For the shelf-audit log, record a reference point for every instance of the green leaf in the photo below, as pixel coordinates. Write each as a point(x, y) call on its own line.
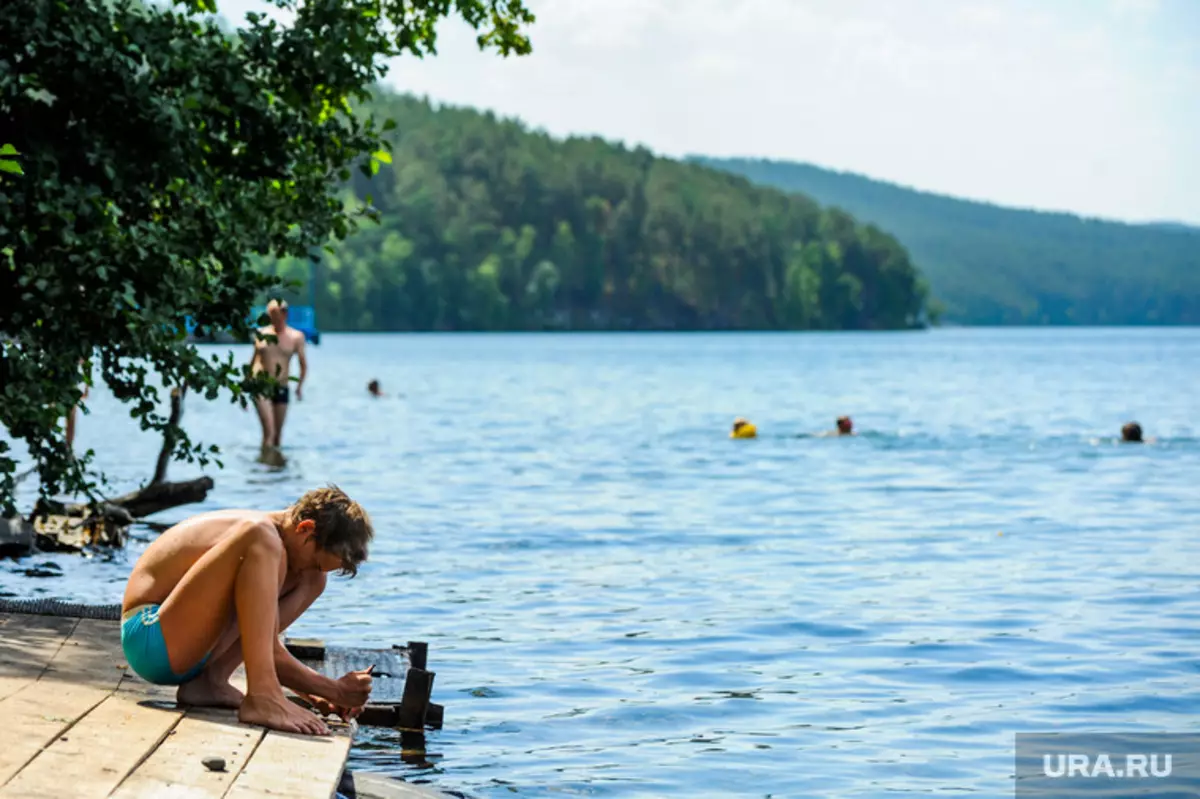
point(382, 155)
point(12, 167)
point(8, 149)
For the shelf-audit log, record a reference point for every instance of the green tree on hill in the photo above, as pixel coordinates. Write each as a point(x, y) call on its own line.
point(494, 227)
point(993, 265)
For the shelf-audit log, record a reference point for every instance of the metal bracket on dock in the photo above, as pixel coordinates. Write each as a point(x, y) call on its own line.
point(404, 705)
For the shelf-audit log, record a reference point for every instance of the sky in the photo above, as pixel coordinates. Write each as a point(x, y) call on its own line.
point(1087, 106)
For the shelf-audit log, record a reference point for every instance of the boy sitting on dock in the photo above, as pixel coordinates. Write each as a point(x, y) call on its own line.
point(221, 587)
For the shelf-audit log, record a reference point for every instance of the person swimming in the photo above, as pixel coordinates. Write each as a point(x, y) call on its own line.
point(742, 428)
point(1131, 433)
point(845, 427)
point(373, 389)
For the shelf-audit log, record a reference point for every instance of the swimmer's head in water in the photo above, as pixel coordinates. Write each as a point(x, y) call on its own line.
point(1132, 432)
point(845, 426)
point(373, 387)
point(743, 429)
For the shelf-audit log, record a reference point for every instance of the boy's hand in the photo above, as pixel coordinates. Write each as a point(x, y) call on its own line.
point(327, 708)
point(354, 688)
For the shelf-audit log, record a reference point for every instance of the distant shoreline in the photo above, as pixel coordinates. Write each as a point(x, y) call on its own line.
point(724, 331)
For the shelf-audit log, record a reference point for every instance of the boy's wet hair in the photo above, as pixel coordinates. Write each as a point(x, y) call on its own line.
point(342, 527)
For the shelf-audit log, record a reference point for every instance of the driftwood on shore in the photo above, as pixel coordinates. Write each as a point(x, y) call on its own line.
point(147, 501)
point(59, 526)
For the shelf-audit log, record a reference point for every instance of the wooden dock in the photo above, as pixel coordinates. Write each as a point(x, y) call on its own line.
point(76, 722)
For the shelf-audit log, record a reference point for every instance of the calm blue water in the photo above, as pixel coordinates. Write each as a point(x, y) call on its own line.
point(621, 601)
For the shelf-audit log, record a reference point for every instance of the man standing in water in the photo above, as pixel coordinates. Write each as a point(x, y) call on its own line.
point(275, 359)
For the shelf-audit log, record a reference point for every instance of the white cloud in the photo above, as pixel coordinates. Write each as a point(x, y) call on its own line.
point(1078, 105)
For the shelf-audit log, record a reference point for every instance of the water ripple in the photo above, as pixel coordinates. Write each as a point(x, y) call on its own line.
point(621, 601)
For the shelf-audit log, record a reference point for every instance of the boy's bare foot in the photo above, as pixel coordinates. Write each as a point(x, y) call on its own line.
point(205, 692)
point(279, 714)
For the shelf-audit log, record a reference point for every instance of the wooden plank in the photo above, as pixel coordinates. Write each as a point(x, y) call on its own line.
point(91, 656)
point(175, 769)
point(305, 648)
point(418, 687)
point(297, 766)
point(36, 716)
point(28, 645)
point(80, 723)
point(135, 687)
point(381, 786)
point(84, 671)
point(97, 753)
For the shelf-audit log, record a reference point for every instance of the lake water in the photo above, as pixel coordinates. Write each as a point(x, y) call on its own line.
point(622, 601)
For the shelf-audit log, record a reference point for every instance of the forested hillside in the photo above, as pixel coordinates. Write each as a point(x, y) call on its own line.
point(485, 225)
point(993, 265)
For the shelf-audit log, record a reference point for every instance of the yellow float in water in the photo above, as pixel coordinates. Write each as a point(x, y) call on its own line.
point(743, 429)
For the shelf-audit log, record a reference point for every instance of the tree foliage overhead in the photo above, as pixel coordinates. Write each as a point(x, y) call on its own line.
point(993, 265)
point(488, 226)
point(156, 155)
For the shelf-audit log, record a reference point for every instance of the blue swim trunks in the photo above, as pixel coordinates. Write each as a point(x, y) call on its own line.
point(146, 651)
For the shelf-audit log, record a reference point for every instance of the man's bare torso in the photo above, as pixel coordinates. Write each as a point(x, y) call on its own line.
point(168, 558)
point(276, 359)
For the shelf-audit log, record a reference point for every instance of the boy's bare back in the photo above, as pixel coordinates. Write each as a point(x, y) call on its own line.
point(168, 558)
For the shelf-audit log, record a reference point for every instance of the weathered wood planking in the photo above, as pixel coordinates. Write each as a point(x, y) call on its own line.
point(97, 753)
point(174, 769)
point(27, 644)
point(298, 766)
point(76, 722)
point(90, 656)
point(80, 675)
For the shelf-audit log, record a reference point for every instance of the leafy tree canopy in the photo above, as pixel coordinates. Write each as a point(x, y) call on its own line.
point(149, 155)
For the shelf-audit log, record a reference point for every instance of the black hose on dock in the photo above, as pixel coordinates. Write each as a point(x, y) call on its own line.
point(55, 607)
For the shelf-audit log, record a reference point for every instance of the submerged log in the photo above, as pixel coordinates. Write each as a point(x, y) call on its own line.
point(161, 496)
point(146, 501)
